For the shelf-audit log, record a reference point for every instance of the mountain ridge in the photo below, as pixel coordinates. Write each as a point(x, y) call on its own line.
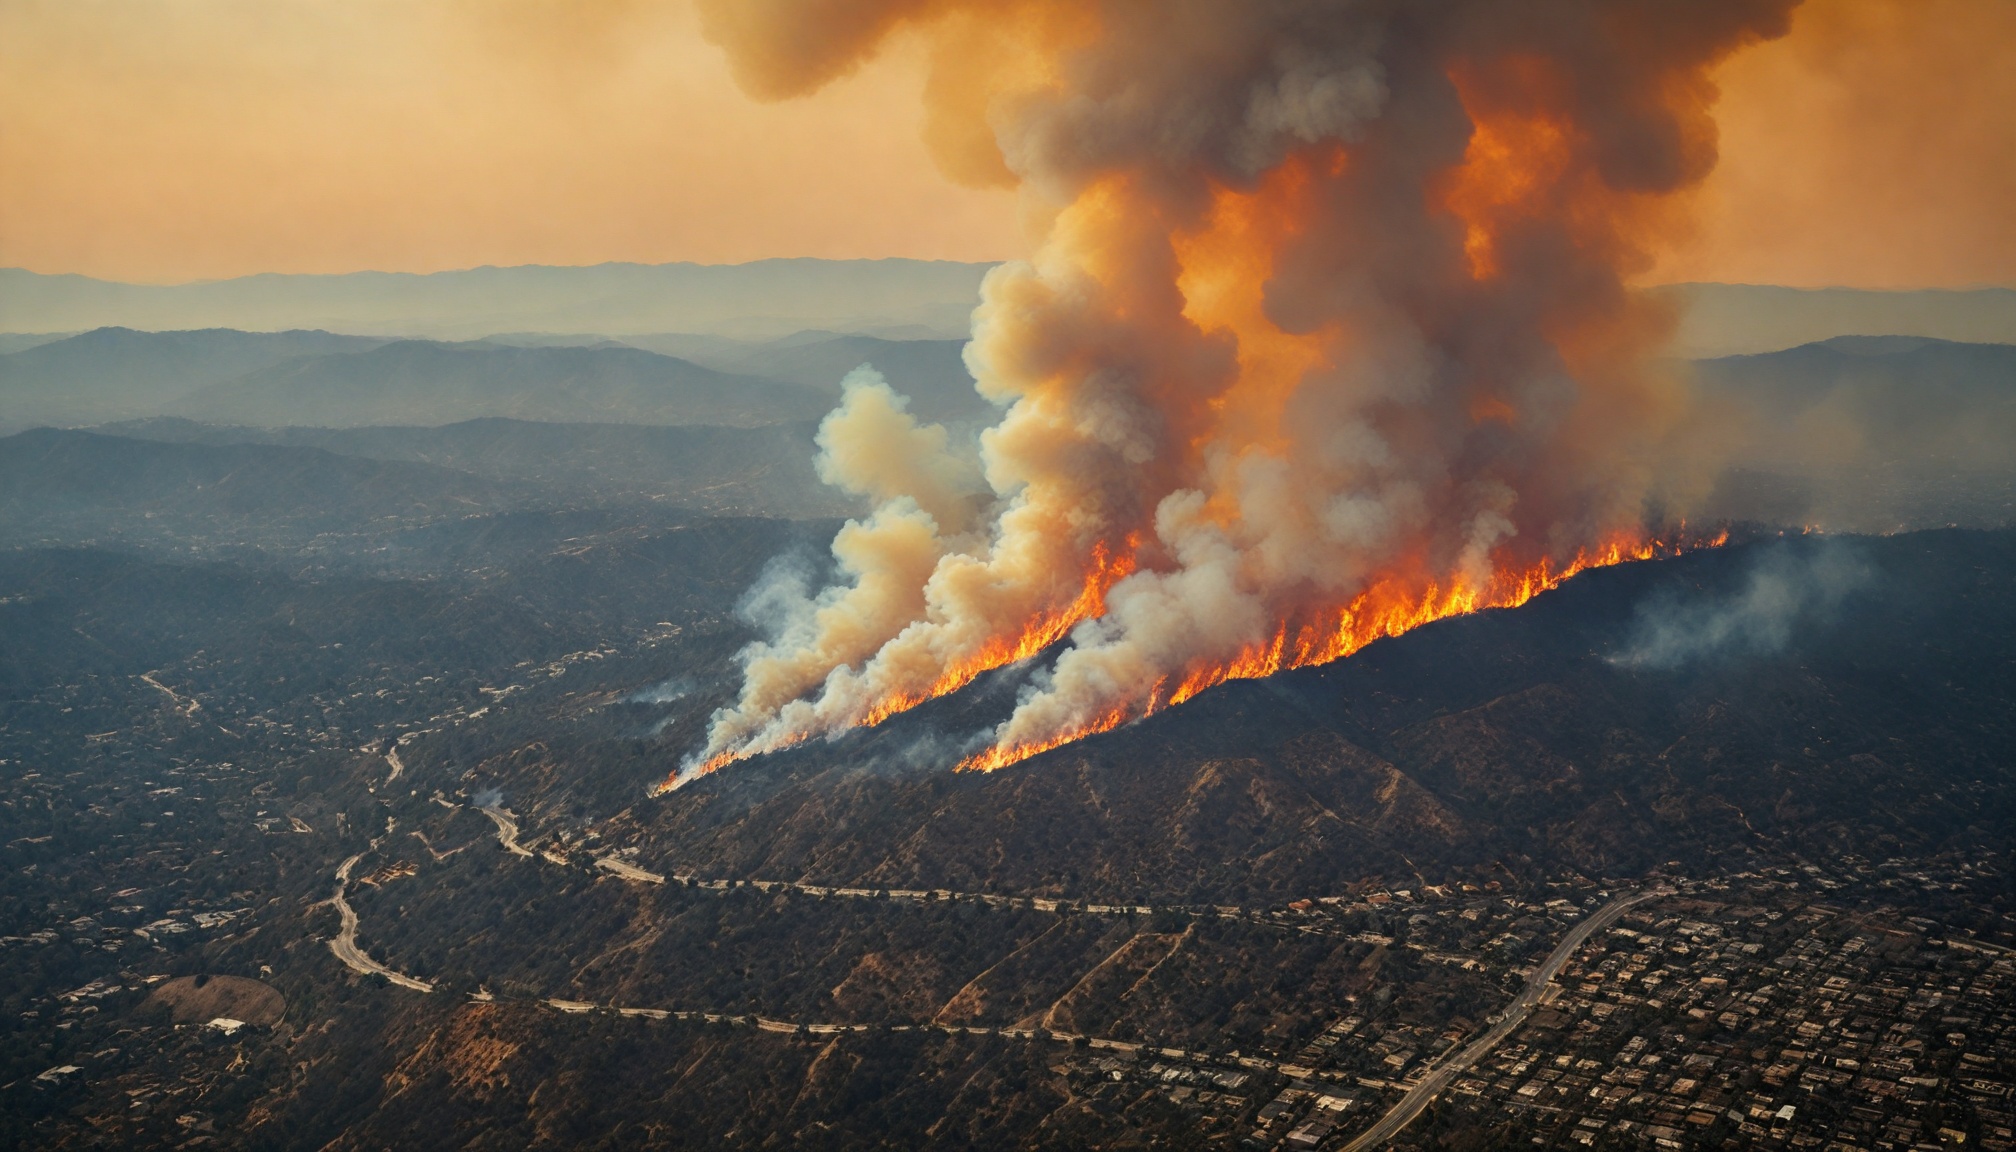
point(768, 296)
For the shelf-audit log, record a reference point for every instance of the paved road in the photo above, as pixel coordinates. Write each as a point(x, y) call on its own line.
point(345, 943)
point(507, 830)
point(628, 871)
point(1442, 1075)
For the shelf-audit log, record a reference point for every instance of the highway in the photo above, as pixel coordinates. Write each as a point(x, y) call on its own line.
point(345, 943)
point(1441, 1075)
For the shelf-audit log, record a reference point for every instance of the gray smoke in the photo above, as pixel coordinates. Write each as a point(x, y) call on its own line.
point(663, 692)
point(1784, 588)
point(1326, 331)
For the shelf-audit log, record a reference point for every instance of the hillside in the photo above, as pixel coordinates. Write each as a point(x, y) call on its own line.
point(932, 373)
point(1312, 884)
point(1505, 737)
point(417, 382)
point(764, 470)
point(119, 374)
point(1863, 433)
point(71, 487)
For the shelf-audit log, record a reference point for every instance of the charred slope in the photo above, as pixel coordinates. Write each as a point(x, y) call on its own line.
point(1803, 697)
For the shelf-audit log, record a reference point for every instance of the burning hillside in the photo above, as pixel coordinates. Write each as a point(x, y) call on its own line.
point(1326, 336)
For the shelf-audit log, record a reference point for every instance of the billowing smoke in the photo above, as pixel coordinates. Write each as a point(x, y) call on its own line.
point(1326, 335)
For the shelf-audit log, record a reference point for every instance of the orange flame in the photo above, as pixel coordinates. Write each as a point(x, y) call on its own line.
point(1384, 610)
point(1106, 571)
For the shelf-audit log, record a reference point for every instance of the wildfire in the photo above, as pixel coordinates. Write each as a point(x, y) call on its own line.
point(1106, 571)
point(1380, 612)
point(1327, 333)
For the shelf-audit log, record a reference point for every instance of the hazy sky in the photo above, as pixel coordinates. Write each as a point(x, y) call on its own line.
point(168, 140)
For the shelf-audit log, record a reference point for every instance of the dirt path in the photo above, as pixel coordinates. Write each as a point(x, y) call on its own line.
point(187, 706)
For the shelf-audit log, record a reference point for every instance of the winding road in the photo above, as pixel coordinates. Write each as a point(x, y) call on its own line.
point(507, 830)
point(1442, 1075)
point(1403, 1113)
point(345, 943)
point(627, 870)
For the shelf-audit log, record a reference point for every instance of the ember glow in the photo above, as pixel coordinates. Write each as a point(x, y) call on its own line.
point(1326, 337)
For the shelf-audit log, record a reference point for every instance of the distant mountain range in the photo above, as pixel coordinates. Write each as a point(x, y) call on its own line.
point(313, 378)
point(117, 373)
point(1890, 397)
point(1863, 433)
point(896, 299)
point(1735, 319)
point(1867, 434)
point(763, 298)
point(765, 470)
point(932, 373)
point(420, 382)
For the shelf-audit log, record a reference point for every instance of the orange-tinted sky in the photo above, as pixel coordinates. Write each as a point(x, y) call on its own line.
point(1875, 146)
point(168, 140)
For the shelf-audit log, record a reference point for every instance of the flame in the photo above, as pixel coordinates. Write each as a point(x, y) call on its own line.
point(1105, 571)
point(1387, 609)
point(1516, 167)
point(1106, 568)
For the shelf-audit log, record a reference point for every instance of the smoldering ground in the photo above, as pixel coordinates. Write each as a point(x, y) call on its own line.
point(1786, 586)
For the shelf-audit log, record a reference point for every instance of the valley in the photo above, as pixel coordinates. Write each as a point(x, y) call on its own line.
point(506, 866)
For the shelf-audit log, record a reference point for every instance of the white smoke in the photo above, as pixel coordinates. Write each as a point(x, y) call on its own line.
point(663, 692)
point(1783, 590)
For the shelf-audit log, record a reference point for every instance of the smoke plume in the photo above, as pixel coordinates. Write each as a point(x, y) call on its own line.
point(1326, 335)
